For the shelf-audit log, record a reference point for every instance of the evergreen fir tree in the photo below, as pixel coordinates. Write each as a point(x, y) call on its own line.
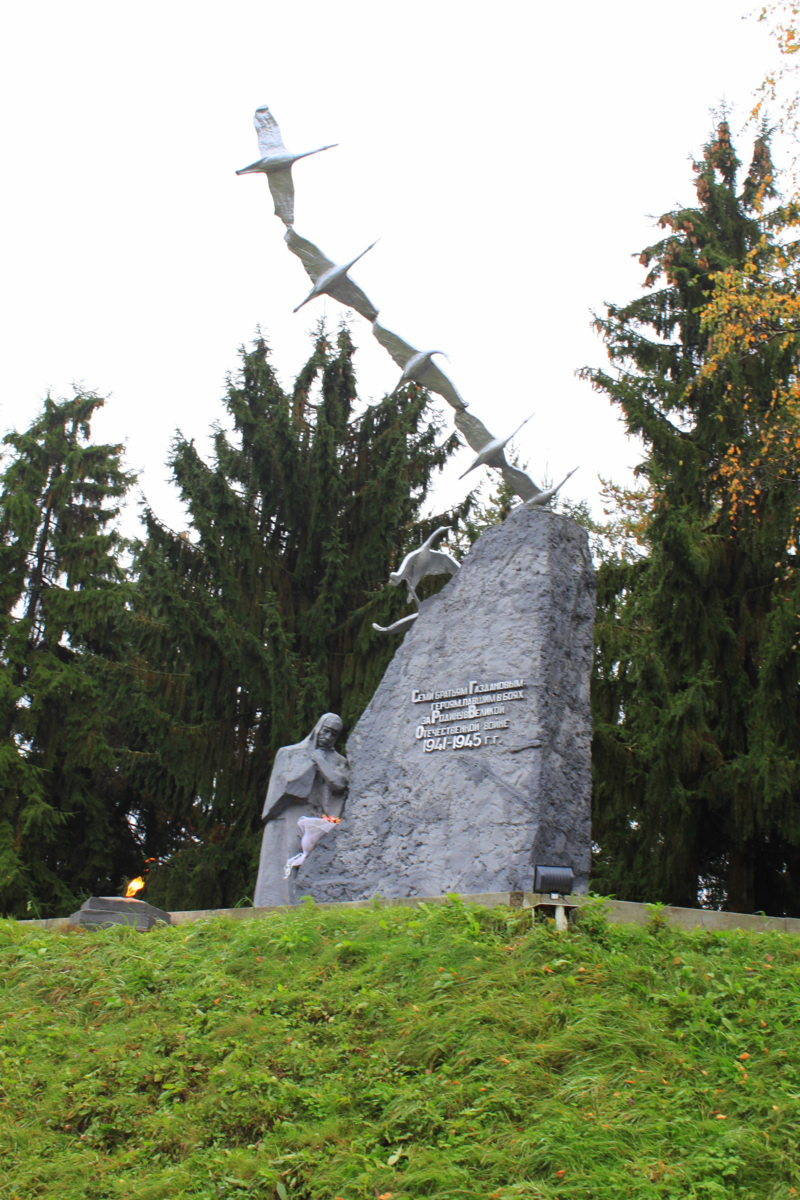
point(66, 827)
point(697, 727)
point(259, 617)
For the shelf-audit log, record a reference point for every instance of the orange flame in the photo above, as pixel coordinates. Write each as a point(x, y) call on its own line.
point(333, 820)
point(134, 886)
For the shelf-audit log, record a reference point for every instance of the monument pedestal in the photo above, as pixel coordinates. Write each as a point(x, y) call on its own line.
point(472, 761)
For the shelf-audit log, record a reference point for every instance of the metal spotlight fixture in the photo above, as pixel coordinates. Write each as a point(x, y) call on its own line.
point(556, 883)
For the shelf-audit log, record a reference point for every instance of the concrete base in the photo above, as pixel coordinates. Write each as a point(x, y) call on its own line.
point(619, 912)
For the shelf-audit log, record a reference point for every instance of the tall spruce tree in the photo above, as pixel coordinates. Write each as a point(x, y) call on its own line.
point(696, 750)
point(258, 618)
point(66, 826)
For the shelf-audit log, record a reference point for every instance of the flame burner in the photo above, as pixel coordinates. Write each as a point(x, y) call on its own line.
point(99, 912)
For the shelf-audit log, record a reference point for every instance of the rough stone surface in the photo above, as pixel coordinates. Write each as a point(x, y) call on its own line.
point(101, 911)
point(477, 819)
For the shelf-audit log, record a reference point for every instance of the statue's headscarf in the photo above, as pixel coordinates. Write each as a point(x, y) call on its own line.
point(294, 770)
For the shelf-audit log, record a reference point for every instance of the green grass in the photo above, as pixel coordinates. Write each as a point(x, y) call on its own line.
point(439, 1052)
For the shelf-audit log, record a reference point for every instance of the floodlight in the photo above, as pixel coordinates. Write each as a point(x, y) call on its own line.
point(557, 881)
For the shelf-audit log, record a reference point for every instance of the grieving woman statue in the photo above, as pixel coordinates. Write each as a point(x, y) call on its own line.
point(305, 798)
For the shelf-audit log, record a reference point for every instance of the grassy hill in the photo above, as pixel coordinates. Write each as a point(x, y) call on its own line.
point(439, 1052)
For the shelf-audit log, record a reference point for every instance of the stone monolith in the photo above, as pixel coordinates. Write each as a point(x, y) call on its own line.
point(471, 763)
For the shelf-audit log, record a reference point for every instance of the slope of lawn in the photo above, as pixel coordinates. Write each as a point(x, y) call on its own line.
point(432, 1052)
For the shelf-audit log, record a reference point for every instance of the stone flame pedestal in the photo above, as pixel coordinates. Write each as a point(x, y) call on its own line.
point(99, 912)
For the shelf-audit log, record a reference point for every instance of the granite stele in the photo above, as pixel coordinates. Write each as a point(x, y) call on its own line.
point(472, 761)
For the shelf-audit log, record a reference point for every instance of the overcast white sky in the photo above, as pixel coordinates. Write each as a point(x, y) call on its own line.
point(510, 156)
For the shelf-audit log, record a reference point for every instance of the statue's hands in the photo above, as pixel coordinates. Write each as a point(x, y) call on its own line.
point(335, 775)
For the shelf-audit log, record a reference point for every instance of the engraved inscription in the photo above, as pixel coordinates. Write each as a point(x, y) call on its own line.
point(465, 718)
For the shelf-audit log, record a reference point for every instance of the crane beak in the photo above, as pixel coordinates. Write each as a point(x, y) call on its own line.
point(310, 296)
point(319, 150)
point(361, 255)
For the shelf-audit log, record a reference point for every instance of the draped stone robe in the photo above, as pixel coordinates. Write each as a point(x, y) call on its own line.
point(307, 780)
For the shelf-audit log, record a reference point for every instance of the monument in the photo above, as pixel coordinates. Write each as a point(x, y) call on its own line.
point(471, 763)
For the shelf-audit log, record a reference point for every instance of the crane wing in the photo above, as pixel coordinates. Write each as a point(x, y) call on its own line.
point(351, 295)
point(282, 188)
point(399, 350)
point(398, 626)
point(522, 484)
point(474, 431)
point(440, 563)
point(310, 256)
point(267, 132)
point(436, 381)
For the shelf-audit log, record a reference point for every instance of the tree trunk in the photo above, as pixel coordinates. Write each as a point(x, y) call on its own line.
point(741, 880)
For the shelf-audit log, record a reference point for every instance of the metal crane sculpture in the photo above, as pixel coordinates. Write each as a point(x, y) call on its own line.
point(426, 560)
point(328, 278)
point(491, 454)
point(276, 163)
point(477, 437)
point(417, 366)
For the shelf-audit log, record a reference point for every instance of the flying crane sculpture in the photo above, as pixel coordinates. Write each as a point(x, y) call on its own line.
point(276, 163)
point(417, 366)
point(416, 565)
point(328, 278)
point(477, 436)
point(491, 454)
point(424, 561)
